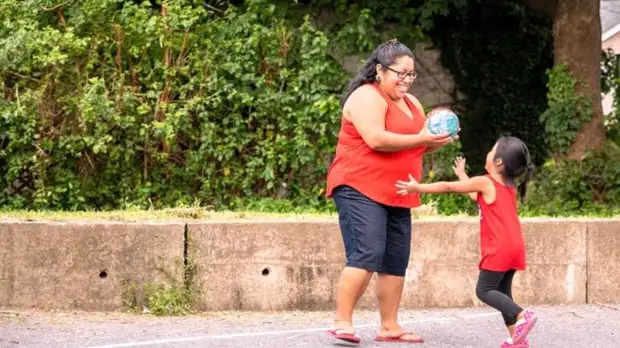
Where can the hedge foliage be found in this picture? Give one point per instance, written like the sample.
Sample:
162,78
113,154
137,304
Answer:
113,104
117,104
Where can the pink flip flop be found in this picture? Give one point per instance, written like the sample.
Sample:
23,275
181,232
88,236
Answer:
345,336
399,338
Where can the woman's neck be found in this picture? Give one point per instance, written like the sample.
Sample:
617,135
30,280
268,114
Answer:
386,93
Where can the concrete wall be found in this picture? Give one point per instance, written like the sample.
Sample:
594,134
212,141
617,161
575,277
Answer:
288,265
83,265
603,253
282,266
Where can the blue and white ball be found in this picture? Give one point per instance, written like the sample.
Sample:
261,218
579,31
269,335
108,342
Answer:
443,121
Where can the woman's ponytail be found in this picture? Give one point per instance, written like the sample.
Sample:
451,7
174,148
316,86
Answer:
367,74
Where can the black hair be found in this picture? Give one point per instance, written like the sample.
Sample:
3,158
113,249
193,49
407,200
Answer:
385,54
516,159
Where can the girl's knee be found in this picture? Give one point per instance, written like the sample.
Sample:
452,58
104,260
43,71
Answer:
484,293
481,293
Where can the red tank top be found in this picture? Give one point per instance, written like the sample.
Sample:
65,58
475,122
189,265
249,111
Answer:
375,173
501,241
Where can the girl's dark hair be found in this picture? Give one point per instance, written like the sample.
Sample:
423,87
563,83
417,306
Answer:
385,54
516,159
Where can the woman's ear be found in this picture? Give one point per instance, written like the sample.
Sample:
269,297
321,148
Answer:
378,69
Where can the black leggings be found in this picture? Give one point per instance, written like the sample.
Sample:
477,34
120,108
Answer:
495,289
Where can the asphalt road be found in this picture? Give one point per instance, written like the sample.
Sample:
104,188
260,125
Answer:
564,326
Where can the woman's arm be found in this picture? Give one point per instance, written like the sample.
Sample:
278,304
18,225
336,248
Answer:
366,109
418,105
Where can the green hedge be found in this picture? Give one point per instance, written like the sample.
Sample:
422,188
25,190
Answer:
116,105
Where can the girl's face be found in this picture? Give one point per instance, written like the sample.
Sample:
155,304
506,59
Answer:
397,78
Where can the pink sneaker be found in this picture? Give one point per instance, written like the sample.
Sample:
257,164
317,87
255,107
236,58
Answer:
524,344
524,326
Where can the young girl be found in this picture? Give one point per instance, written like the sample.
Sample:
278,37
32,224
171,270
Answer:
501,240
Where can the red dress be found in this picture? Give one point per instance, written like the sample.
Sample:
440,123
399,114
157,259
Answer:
375,173
501,241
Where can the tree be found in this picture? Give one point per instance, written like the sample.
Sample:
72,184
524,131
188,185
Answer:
577,43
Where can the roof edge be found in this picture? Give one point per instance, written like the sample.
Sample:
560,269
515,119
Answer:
610,32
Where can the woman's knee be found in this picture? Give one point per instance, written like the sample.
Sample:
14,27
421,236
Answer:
398,242
369,260
365,251
368,253
395,260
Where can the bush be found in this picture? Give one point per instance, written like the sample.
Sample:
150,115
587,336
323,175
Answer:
590,187
567,110
114,104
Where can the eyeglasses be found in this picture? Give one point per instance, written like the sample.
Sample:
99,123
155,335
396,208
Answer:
401,74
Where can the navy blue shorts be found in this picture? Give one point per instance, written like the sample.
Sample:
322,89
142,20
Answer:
376,237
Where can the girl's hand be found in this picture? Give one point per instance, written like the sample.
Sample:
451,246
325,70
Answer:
407,187
459,166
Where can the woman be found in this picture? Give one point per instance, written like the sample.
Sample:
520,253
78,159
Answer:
381,141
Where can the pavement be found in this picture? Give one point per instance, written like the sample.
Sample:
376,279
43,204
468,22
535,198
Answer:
587,326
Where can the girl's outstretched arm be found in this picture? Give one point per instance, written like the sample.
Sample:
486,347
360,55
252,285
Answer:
476,184
459,170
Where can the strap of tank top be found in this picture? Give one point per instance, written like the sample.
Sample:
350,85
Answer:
381,91
491,178
497,183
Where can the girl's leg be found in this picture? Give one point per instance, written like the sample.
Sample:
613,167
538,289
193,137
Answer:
505,287
525,320
488,292
518,321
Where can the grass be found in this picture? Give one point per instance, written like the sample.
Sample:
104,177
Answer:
184,214
155,215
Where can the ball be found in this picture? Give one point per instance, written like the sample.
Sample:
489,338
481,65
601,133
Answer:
443,121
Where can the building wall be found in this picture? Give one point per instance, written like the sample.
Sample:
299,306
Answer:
614,44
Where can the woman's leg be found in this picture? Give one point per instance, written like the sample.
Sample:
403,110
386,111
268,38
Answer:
391,276
363,225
